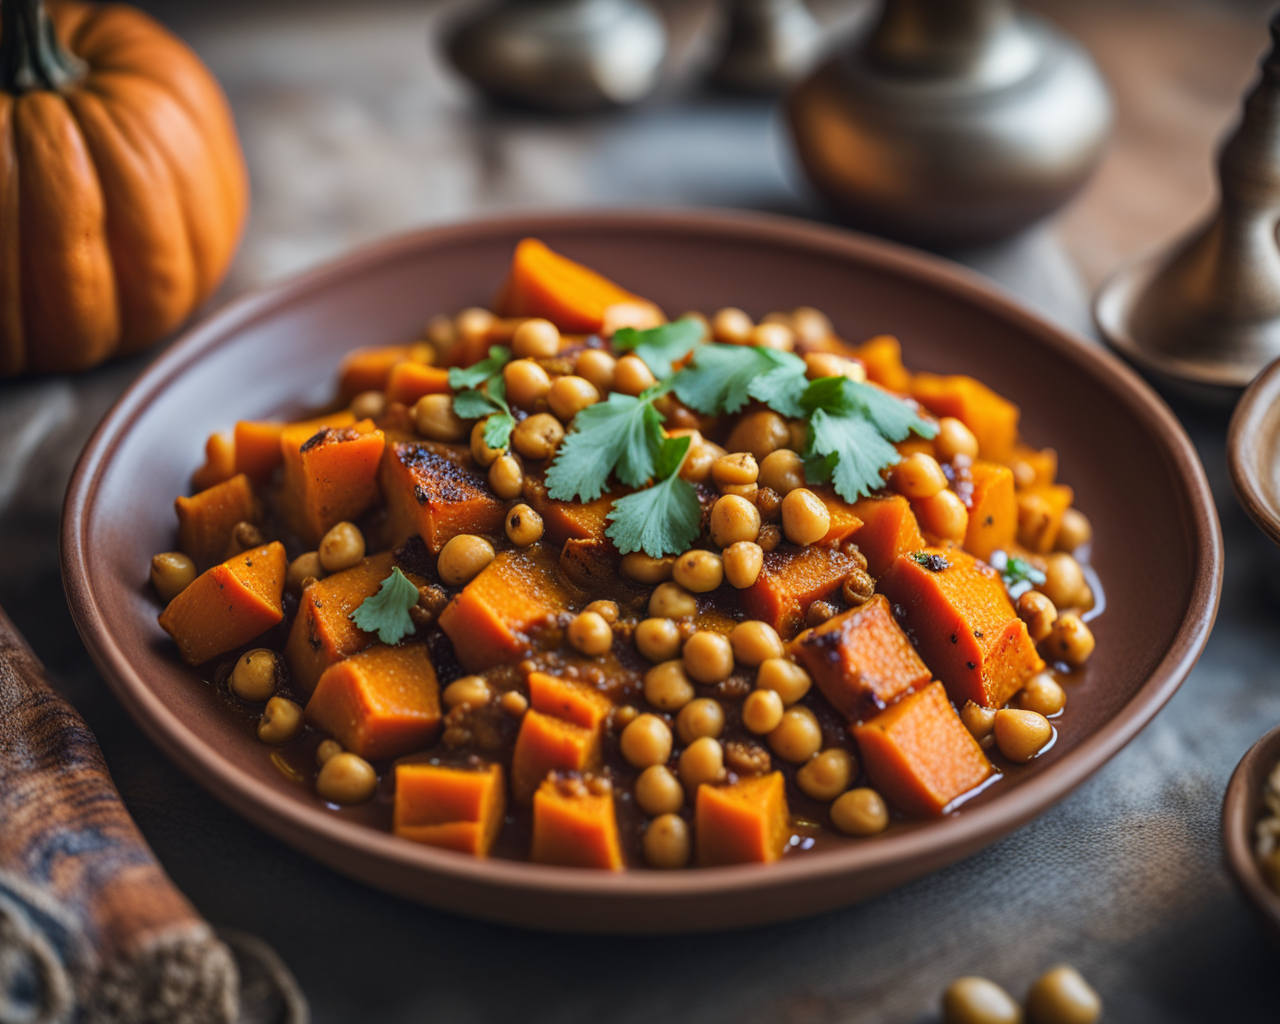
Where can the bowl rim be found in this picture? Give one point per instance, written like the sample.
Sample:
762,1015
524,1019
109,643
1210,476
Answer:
1260,401
1239,813
274,811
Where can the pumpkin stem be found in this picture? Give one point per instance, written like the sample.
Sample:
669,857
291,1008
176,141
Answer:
30,55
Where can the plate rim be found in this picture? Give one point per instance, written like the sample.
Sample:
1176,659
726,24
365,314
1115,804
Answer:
1259,403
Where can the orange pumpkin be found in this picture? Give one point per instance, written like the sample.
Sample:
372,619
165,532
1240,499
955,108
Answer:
122,185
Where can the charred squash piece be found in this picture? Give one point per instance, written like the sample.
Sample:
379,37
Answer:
498,614
367,369
889,529
992,418
958,613
452,808
791,581
207,520
258,442
861,659
745,823
1043,463
381,703
229,605
548,744
919,755
882,356
329,475
575,829
434,494
570,520
409,381
993,510
1040,511
570,701
844,521
219,462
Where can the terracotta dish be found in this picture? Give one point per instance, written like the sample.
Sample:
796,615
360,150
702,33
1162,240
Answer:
1241,809
1158,547
1253,450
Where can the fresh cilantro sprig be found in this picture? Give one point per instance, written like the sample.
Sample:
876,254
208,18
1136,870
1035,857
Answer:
481,392
1018,574
663,346
622,436
463,377
723,378
387,612
663,519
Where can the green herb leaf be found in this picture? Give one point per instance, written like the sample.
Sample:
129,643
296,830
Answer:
891,416
497,429
473,405
782,388
462,377
660,347
849,451
618,436
1018,574
934,563
722,378
663,519
387,612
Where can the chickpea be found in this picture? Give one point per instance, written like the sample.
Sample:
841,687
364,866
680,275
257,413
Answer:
829,364
646,569
254,677
708,657
860,812
1062,996
666,842
535,339
799,434
785,678
1042,695
658,791
759,433
607,610
1070,640
506,477
281,721
1021,735
434,418
735,519
524,526
245,535
667,686
732,326
978,1001
526,383
346,779
368,405
978,720
762,711
1075,532
624,716
171,573
632,377
740,468
769,504
598,367
471,691
782,471
514,703
462,558
1035,518
590,634
538,436
473,322
698,462
1038,612
754,642
775,336
439,330
341,548
953,439
657,639
698,718
797,737
918,476
701,762
698,571
805,519
858,587
481,452
1024,474
743,563
303,567
646,741
943,515
569,395
828,775
770,537
1064,582
672,601
811,325
325,750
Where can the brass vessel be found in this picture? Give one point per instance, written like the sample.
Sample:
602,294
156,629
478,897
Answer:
769,45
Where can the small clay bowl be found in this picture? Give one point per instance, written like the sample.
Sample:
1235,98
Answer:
1242,808
1253,450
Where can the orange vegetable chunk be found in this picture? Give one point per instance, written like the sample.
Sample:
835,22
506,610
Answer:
219,462
498,615
963,625
861,659
791,581
744,823
1043,462
435,493
546,744
452,808
844,521
571,520
889,529
258,442
228,605
992,418
409,381
575,829
330,474
567,700
207,520
367,369
1040,512
993,510
919,755
381,703
882,356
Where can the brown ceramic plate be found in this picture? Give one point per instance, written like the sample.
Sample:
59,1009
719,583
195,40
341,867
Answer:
1241,810
1158,547
1253,450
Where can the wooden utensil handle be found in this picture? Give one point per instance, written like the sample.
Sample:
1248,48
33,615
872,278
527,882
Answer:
89,921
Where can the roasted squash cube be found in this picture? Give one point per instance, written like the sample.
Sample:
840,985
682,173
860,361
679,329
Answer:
744,823
1042,462
367,369
219,462
844,520
258,450
330,475
435,492
889,529
567,700
882,356
409,381
919,755
791,581
207,520
992,418
993,510
452,808
575,828
548,744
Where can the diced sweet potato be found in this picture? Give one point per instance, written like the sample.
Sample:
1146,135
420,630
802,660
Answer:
919,755
258,442
993,510
435,495
207,520
883,358
546,744
409,381
993,419
575,829
498,614
844,521
861,659
219,462
963,624
367,369
745,823
330,475
791,581
1040,511
228,605
380,703
453,808
1043,463
889,529
570,520
567,700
